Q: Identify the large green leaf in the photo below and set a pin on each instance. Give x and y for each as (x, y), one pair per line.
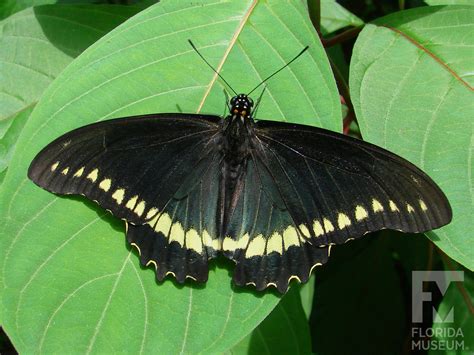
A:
(411, 85)
(65, 265)
(35, 47)
(38, 43)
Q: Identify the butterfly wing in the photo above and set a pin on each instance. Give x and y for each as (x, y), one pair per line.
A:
(262, 237)
(156, 172)
(339, 188)
(307, 188)
(181, 239)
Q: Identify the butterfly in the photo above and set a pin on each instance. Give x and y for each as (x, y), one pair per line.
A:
(271, 196)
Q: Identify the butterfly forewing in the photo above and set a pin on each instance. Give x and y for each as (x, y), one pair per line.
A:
(157, 172)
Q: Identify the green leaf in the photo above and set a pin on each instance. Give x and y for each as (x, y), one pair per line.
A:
(456, 337)
(449, 2)
(411, 87)
(307, 295)
(35, 47)
(65, 265)
(9, 7)
(38, 43)
(358, 302)
(334, 17)
(10, 129)
(441, 33)
(284, 331)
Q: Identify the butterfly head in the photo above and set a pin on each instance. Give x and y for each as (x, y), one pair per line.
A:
(241, 105)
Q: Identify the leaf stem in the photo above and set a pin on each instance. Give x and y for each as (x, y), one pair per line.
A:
(401, 4)
(341, 37)
(314, 9)
(343, 89)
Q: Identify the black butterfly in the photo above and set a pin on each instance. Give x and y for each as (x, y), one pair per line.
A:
(271, 196)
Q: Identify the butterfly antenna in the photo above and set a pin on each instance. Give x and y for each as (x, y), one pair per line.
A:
(227, 101)
(279, 70)
(210, 66)
(254, 113)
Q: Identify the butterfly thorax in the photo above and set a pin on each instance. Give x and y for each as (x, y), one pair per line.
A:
(238, 131)
(236, 140)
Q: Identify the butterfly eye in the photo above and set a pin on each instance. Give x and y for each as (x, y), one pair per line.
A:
(250, 102)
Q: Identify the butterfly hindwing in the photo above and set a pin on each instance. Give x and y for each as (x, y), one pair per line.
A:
(263, 238)
(181, 237)
(339, 188)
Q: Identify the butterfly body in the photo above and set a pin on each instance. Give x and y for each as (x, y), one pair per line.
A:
(237, 137)
(271, 196)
